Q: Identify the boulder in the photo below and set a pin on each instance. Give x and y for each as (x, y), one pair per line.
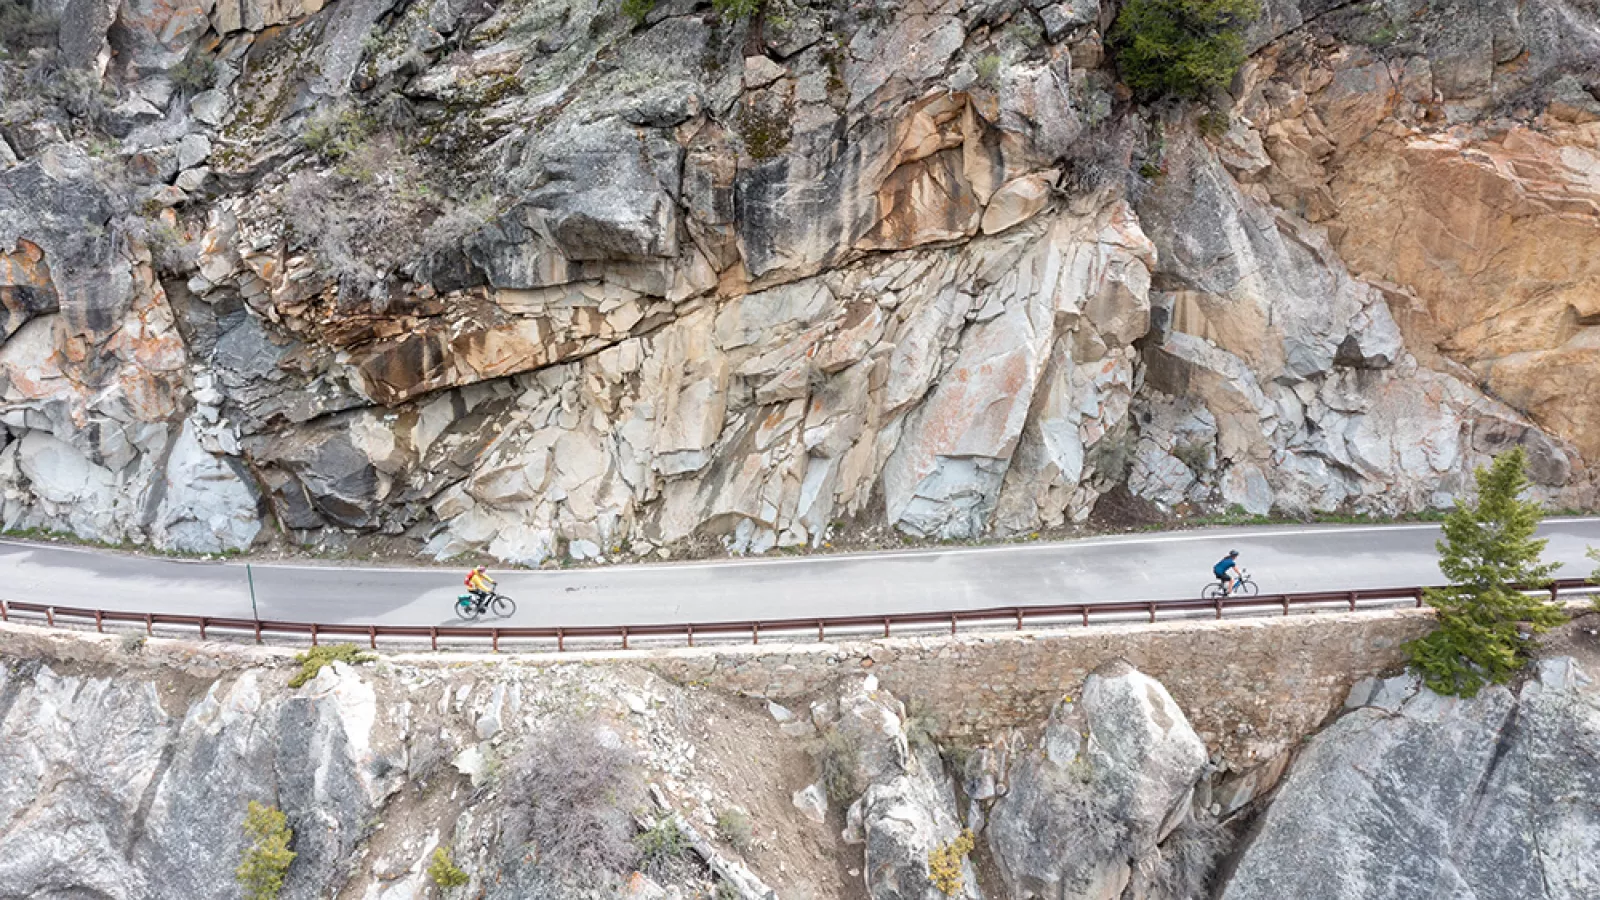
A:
(1369, 811)
(907, 808)
(1112, 776)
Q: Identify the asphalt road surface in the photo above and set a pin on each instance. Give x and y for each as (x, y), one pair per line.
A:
(1108, 569)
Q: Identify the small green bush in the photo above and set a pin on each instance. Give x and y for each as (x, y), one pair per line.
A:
(336, 135)
(766, 132)
(312, 661)
(444, 872)
(1196, 454)
(1485, 623)
(736, 10)
(21, 29)
(197, 72)
(267, 860)
(1181, 48)
(944, 864)
(637, 10)
(735, 828)
(661, 845)
(1214, 123)
(988, 69)
(921, 724)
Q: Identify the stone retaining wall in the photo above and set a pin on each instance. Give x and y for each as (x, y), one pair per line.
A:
(1251, 687)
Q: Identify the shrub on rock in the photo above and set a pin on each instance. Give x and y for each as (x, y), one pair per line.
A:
(267, 860)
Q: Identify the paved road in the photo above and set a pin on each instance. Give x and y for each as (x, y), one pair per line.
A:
(1137, 567)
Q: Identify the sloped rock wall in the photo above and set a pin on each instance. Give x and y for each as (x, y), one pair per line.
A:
(1513, 813)
(533, 278)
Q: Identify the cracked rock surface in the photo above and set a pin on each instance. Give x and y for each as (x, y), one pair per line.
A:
(529, 278)
(1410, 794)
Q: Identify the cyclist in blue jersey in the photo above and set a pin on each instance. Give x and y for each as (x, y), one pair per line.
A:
(1227, 571)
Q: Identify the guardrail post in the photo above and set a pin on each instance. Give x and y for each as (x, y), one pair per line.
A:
(97, 626)
(1219, 607)
(1019, 618)
(149, 625)
(561, 641)
(1554, 591)
(372, 636)
(885, 626)
(258, 631)
(1286, 604)
(433, 636)
(691, 635)
(313, 634)
(494, 639)
(4, 616)
(952, 624)
(202, 628)
(1352, 601)
(1152, 612)
(50, 616)
(1085, 613)
(822, 631)
(1419, 597)
(624, 637)
(755, 633)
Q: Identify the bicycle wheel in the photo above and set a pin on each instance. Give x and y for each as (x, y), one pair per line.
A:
(503, 606)
(1247, 589)
(1213, 591)
(467, 609)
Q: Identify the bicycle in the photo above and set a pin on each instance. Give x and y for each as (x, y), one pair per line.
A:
(471, 606)
(1241, 587)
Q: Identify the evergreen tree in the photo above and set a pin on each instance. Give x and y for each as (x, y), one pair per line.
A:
(1488, 548)
(1595, 578)
(1182, 48)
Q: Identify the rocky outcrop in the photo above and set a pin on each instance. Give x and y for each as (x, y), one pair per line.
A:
(1113, 776)
(113, 795)
(129, 773)
(1372, 809)
(906, 810)
(530, 280)
(132, 763)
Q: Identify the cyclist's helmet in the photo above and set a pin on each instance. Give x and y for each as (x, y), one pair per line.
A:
(1232, 553)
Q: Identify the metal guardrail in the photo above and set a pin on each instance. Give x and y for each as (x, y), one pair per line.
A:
(1016, 617)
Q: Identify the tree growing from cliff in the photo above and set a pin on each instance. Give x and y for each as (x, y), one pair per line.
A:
(267, 859)
(1485, 624)
(1594, 554)
(1181, 48)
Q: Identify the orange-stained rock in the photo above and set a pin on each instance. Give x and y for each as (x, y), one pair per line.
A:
(1484, 237)
(25, 287)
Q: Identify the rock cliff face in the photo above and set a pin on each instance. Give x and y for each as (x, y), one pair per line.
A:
(533, 278)
(1414, 795)
(130, 767)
